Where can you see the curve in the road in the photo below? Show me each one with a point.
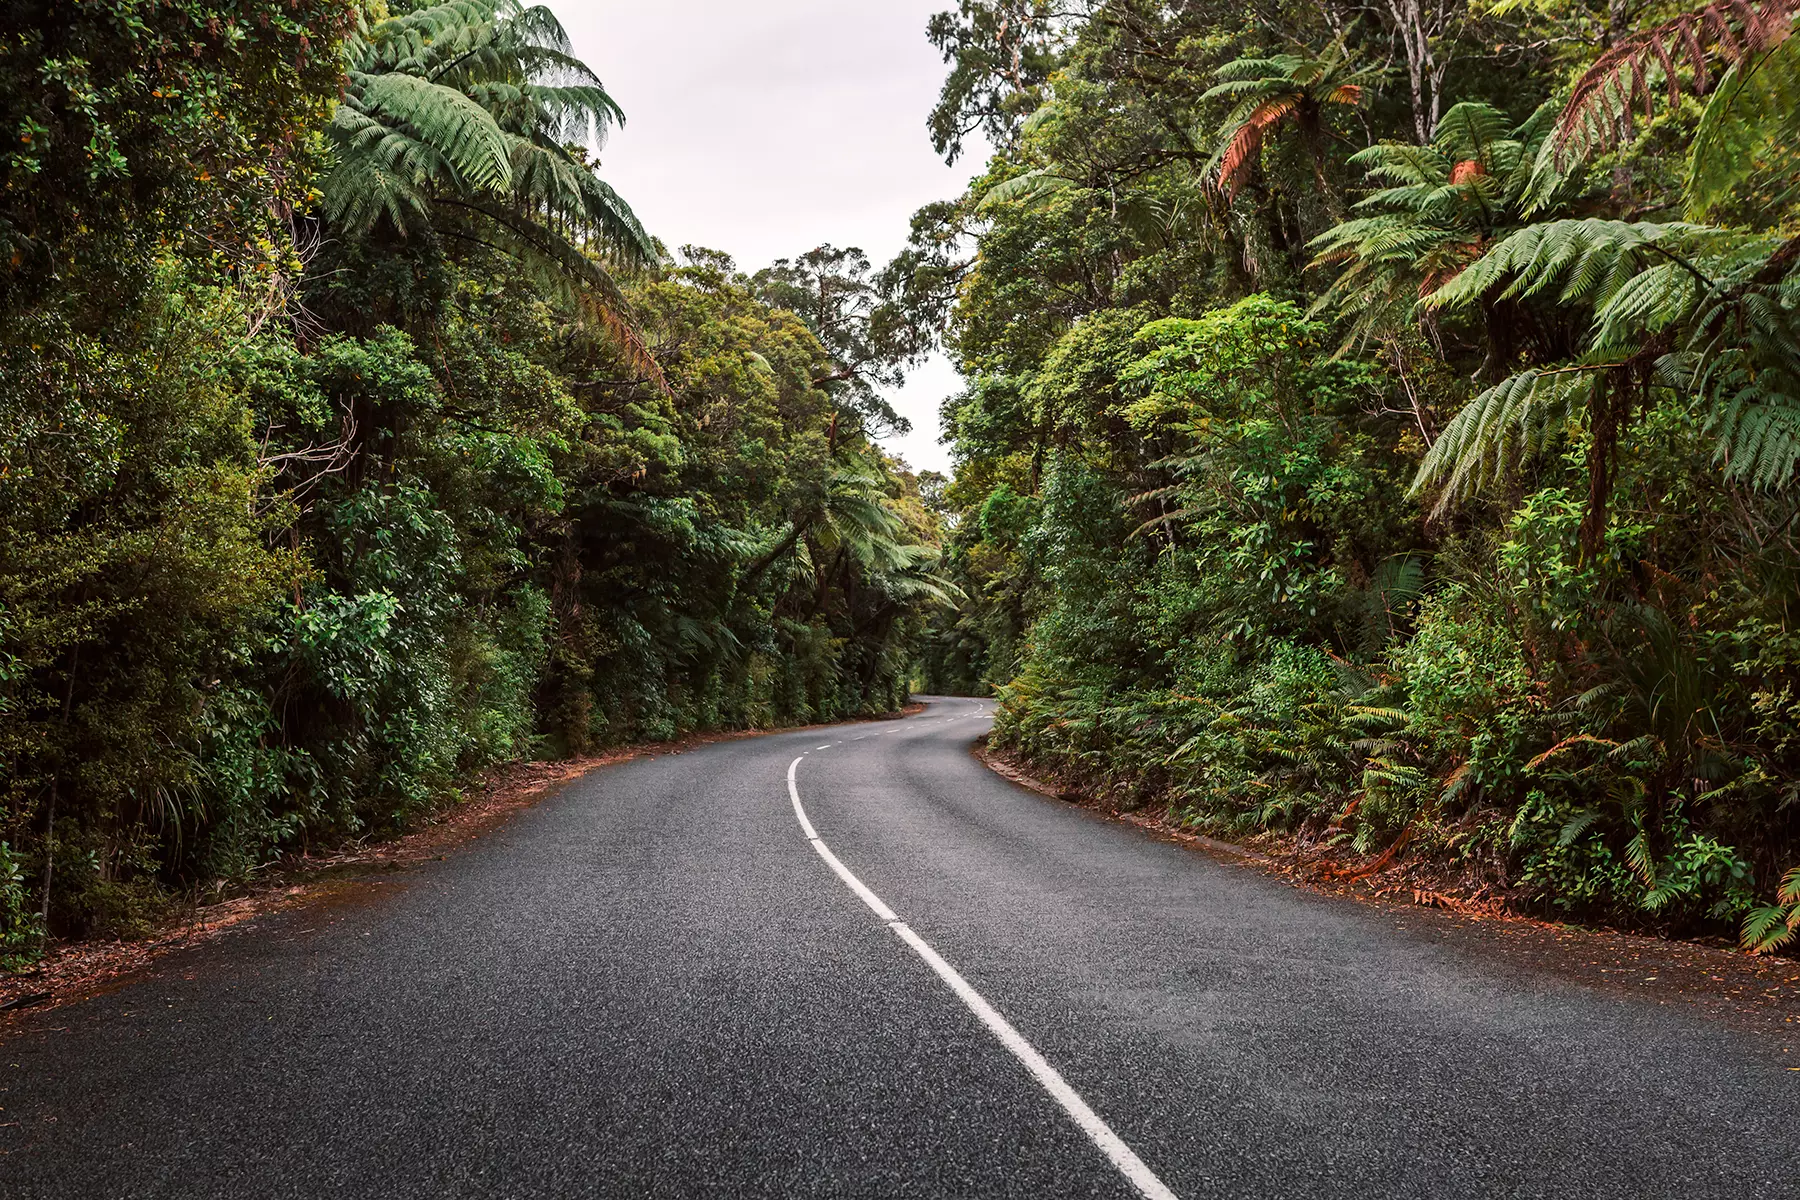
(1090, 1122)
(647, 986)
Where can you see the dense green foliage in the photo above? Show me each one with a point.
(1381, 434)
(1381, 431)
(354, 436)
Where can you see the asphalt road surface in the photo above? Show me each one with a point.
(658, 983)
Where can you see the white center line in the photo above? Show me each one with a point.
(1128, 1163)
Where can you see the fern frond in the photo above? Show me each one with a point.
(1577, 825)
(1028, 188)
(1621, 80)
(1757, 104)
(1640, 859)
(465, 145)
(1652, 300)
(1590, 258)
(1767, 927)
(1499, 427)
(1471, 131)
(1758, 437)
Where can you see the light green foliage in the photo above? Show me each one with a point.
(1273, 482)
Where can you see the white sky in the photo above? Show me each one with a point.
(766, 127)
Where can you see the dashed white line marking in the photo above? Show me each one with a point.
(1110, 1144)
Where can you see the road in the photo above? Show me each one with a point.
(654, 983)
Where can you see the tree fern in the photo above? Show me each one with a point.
(1629, 76)
(1268, 94)
(458, 118)
(1689, 299)
(1443, 205)
(1501, 426)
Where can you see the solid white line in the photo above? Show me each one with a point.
(1117, 1152)
(1128, 1163)
(812, 835)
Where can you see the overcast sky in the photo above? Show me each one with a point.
(766, 127)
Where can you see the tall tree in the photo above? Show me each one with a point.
(458, 118)
(870, 337)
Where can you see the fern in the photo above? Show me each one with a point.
(1577, 825)
(1771, 926)
(1640, 859)
(1621, 81)
(1722, 295)
(457, 118)
(425, 134)
(1446, 203)
(1028, 188)
(1500, 427)
(1277, 91)
(1766, 927)
(1756, 107)
(1591, 259)
(1759, 443)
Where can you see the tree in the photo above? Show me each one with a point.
(1674, 305)
(1000, 53)
(1443, 205)
(457, 119)
(1296, 91)
(870, 339)
(136, 122)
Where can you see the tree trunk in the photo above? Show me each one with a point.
(49, 855)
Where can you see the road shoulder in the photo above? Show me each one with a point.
(1760, 995)
(78, 970)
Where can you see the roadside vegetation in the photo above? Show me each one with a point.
(1380, 438)
(1381, 431)
(355, 435)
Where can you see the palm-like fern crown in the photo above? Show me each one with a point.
(475, 98)
(853, 519)
(1475, 171)
(1443, 206)
(1273, 91)
(1709, 312)
(463, 114)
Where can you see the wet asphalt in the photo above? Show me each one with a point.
(650, 985)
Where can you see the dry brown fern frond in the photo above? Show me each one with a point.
(1598, 114)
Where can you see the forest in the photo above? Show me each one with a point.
(355, 436)
(1378, 439)
(1380, 433)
